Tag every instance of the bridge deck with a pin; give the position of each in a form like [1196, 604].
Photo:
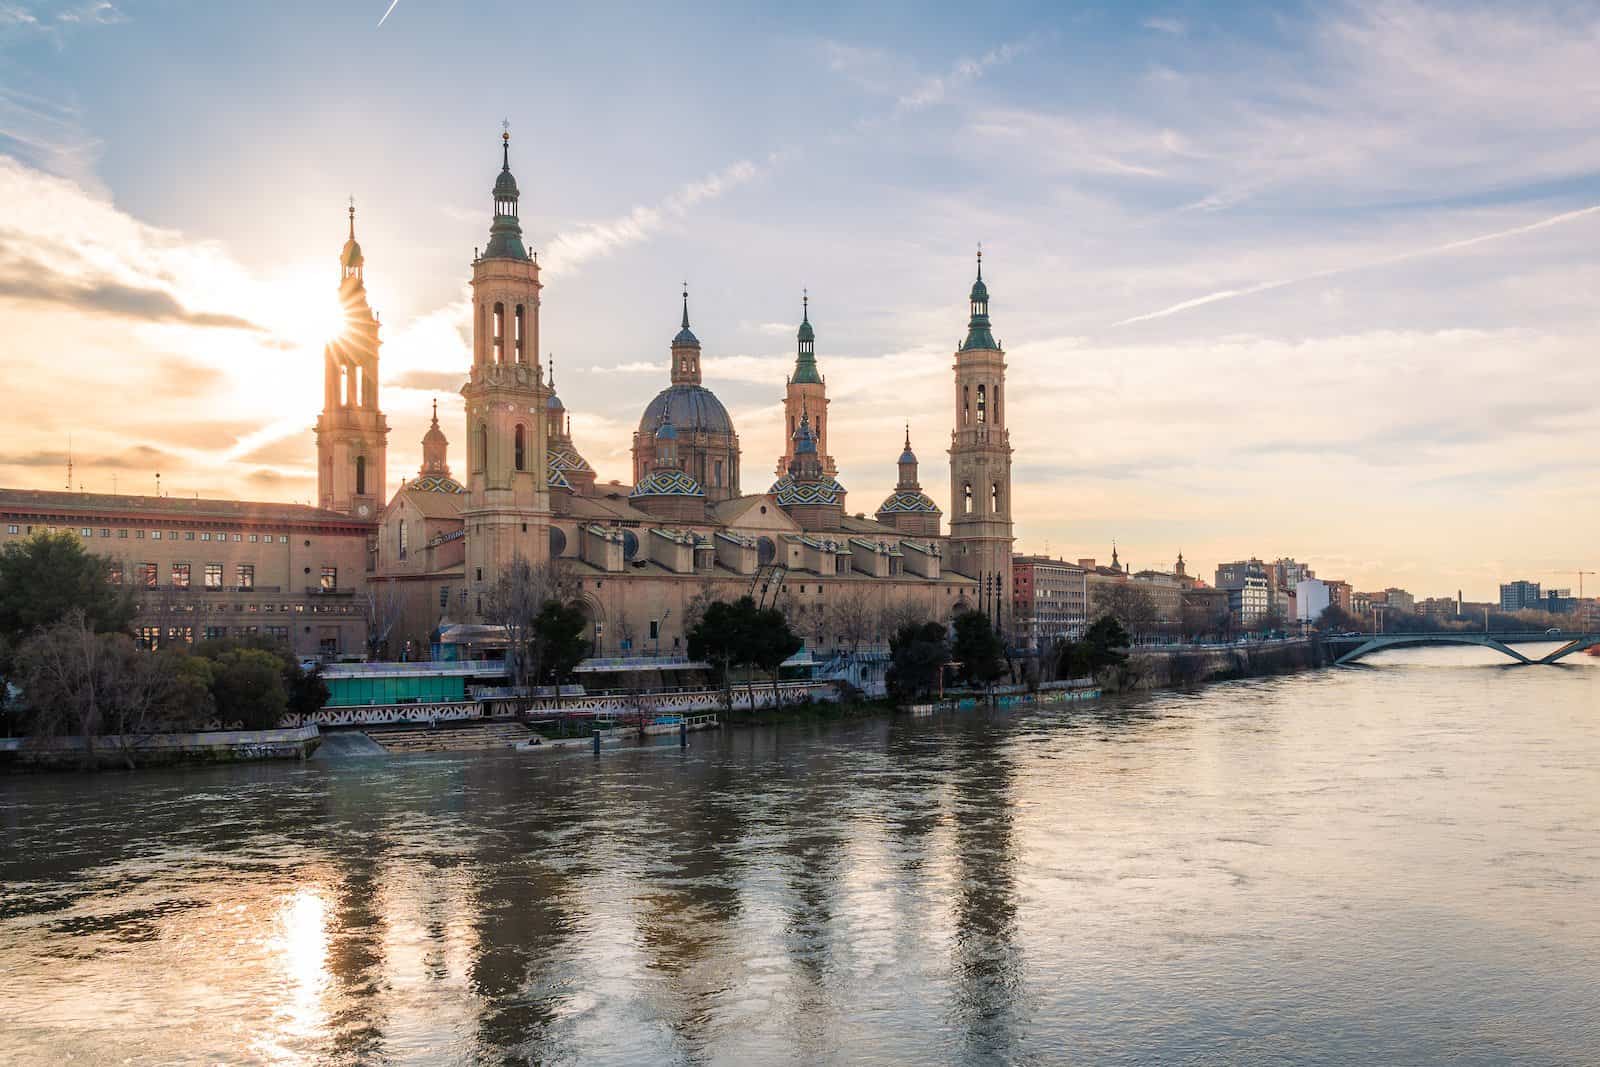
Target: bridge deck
[1356, 648]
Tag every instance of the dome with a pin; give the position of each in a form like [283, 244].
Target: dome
[351, 256]
[908, 456]
[435, 483]
[980, 292]
[567, 459]
[665, 432]
[806, 332]
[554, 403]
[909, 502]
[691, 409]
[667, 483]
[505, 186]
[686, 336]
[825, 490]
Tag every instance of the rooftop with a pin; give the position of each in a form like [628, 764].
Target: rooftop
[59, 502]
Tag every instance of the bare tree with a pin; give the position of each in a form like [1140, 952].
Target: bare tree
[899, 614]
[1134, 608]
[852, 620]
[522, 590]
[386, 608]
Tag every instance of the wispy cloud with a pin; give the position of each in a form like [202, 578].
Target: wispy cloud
[388, 11]
[1385, 261]
[1165, 24]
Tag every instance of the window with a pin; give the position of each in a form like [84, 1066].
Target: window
[147, 575]
[155, 535]
[247, 576]
[330, 578]
[180, 576]
[480, 447]
[983, 404]
[149, 637]
[966, 405]
[138, 535]
[214, 633]
[188, 535]
[11, 528]
[519, 449]
[404, 540]
[85, 532]
[655, 629]
[181, 633]
[283, 539]
[252, 539]
[281, 633]
[105, 533]
[716, 477]
[994, 498]
[122, 534]
[213, 576]
[205, 535]
[240, 537]
[361, 475]
[252, 609]
[114, 572]
[966, 499]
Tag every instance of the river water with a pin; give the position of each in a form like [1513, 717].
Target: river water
[1398, 864]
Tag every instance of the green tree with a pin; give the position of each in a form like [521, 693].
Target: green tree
[558, 634]
[306, 691]
[769, 641]
[718, 638]
[1102, 646]
[917, 653]
[978, 648]
[249, 689]
[48, 576]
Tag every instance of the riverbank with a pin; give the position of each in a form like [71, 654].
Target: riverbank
[114, 752]
[1188, 666]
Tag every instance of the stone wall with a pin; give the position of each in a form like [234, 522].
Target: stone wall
[211, 746]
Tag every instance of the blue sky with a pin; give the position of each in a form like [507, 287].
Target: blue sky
[1308, 280]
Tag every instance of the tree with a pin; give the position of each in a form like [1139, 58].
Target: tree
[249, 689]
[80, 683]
[978, 649]
[558, 635]
[917, 653]
[899, 614]
[768, 642]
[385, 608]
[48, 576]
[717, 639]
[851, 620]
[1101, 647]
[514, 603]
[1133, 607]
[306, 690]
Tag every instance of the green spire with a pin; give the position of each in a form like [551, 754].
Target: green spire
[978, 335]
[505, 234]
[805, 362]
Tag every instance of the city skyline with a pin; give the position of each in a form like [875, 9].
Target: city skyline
[1240, 320]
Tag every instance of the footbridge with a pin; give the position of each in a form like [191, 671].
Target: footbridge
[1349, 649]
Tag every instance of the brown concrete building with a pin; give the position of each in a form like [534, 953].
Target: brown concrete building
[1049, 601]
[217, 568]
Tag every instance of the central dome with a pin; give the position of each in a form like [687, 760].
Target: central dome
[690, 408]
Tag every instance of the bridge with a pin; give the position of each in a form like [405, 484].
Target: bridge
[1349, 649]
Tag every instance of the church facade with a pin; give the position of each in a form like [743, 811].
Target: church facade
[644, 558]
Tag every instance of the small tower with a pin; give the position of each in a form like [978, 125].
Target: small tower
[807, 492]
[568, 469]
[508, 499]
[435, 449]
[1179, 569]
[668, 492]
[980, 454]
[806, 390]
[685, 350]
[908, 509]
[351, 432]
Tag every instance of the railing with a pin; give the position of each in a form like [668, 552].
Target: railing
[317, 590]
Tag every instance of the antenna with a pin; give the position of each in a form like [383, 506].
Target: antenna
[69, 463]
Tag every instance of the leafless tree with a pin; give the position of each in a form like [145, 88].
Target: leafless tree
[898, 614]
[1132, 607]
[851, 619]
[386, 607]
[515, 601]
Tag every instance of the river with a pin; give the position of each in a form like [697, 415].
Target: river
[1395, 864]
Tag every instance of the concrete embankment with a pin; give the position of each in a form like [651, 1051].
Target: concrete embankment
[1159, 668]
[158, 750]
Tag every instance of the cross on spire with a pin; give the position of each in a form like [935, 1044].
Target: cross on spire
[352, 217]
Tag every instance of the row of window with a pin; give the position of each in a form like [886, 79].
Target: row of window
[966, 498]
[156, 535]
[152, 637]
[253, 609]
[148, 576]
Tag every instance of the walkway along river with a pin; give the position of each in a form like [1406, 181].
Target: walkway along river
[1393, 864]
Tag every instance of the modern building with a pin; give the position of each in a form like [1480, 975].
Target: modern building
[1439, 608]
[203, 569]
[1311, 599]
[1206, 613]
[1248, 589]
[1520, 596]
[1049, 601]
[1400, 600]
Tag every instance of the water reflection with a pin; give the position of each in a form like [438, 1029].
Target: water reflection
[1317, 867]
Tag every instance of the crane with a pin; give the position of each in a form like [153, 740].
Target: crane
[1583, 608]
[1580, 574]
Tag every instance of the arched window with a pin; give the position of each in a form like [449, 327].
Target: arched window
[480, 448]
[520, 334]
[361, 475]
[999, 412]
[966, 499]
[519, 449]
[344, 386]
[994, 498]
[405, 542]
[499, 332]
[966, 406]
[983, 407]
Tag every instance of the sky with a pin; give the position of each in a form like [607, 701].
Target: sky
[1312, 280]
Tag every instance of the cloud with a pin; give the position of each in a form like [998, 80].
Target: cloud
[139, 457]
[636, 367]
[428, 381]
[1385, 261]
[111, 298]
[1162, 24]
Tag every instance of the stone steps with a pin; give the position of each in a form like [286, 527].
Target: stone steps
[451, 738]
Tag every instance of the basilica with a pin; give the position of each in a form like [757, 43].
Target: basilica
[689, 528]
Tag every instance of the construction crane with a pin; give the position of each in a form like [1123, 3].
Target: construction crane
[1580, 575]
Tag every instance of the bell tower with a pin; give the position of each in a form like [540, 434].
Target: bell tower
[806, 391]
[351, 431]
[980, 460]
[507, 512]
